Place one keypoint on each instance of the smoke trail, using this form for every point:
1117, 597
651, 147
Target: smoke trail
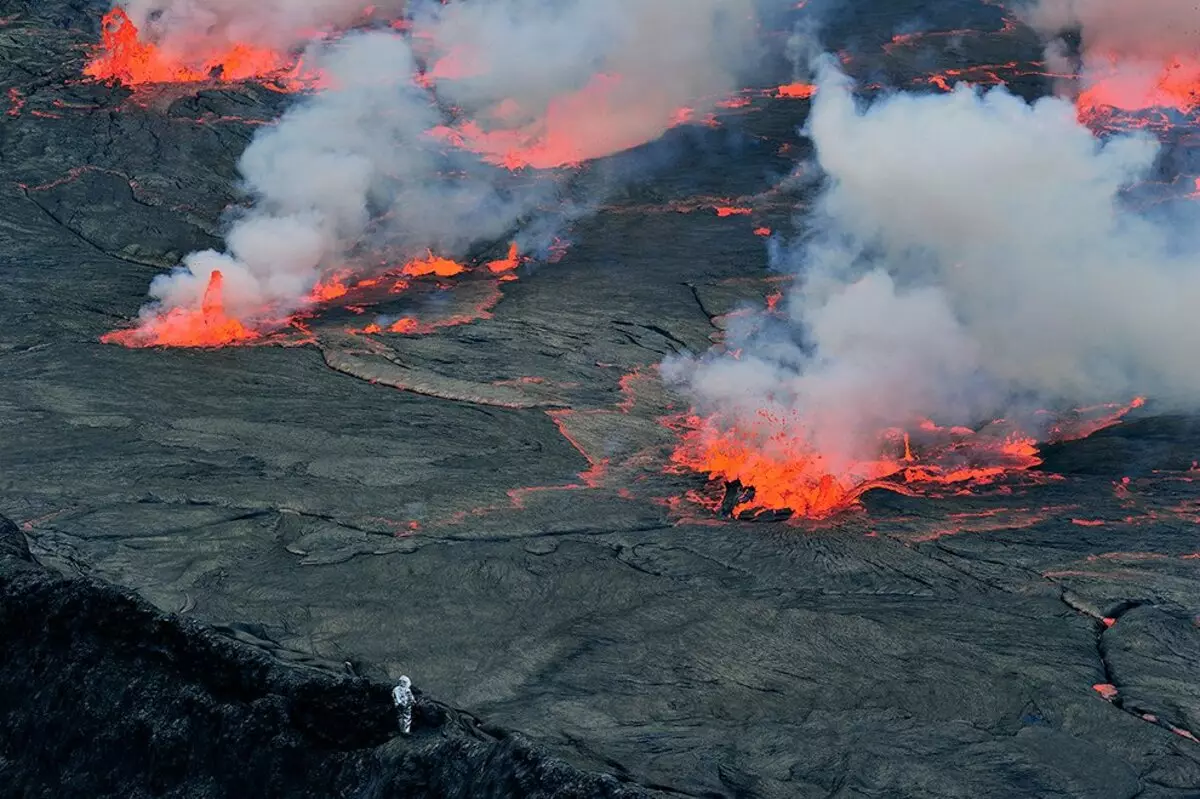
968, 258
374, 161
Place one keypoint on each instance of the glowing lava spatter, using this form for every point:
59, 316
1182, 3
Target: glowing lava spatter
206, 326
211, 325
433, 265
796, 91
508, 263
124, 57
772, 456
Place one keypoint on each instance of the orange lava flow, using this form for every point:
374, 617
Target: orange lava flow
783, 476
409, 326
796, 91
786, 473
206, 326
1082, 422
773, 457
125, 58
432, 265
327, 291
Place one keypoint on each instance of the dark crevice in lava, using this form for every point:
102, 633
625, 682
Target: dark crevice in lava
711, 317
1110, 688
79, 236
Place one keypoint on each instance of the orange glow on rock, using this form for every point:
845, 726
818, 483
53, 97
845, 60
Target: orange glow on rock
207, 326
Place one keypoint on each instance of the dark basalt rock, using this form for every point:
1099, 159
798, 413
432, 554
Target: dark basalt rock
101, 695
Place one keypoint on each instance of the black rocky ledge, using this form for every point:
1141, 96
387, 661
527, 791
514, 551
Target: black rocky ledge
103, 695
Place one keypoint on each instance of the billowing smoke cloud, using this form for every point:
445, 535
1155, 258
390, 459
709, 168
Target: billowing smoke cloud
1139, 54
393, 156
969, 258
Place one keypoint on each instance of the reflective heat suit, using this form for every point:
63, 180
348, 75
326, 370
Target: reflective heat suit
402, 697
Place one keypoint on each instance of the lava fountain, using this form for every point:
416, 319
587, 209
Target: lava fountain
206, 326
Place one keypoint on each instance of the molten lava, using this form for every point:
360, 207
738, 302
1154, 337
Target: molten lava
508, 263
1119, 93
796, 91
774, 458
206, 326
433, 265
329, 290
124, 57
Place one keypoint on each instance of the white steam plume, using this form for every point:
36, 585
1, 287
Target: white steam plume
969, 258
358, 165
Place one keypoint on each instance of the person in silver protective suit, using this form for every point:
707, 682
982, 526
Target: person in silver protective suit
403, 699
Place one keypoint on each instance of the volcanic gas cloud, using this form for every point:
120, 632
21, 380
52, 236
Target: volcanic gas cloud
969, 261
1133, 56
407, 150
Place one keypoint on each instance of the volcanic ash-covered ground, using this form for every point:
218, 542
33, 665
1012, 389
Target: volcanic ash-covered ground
484, 450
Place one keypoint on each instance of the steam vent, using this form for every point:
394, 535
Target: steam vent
689, 398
